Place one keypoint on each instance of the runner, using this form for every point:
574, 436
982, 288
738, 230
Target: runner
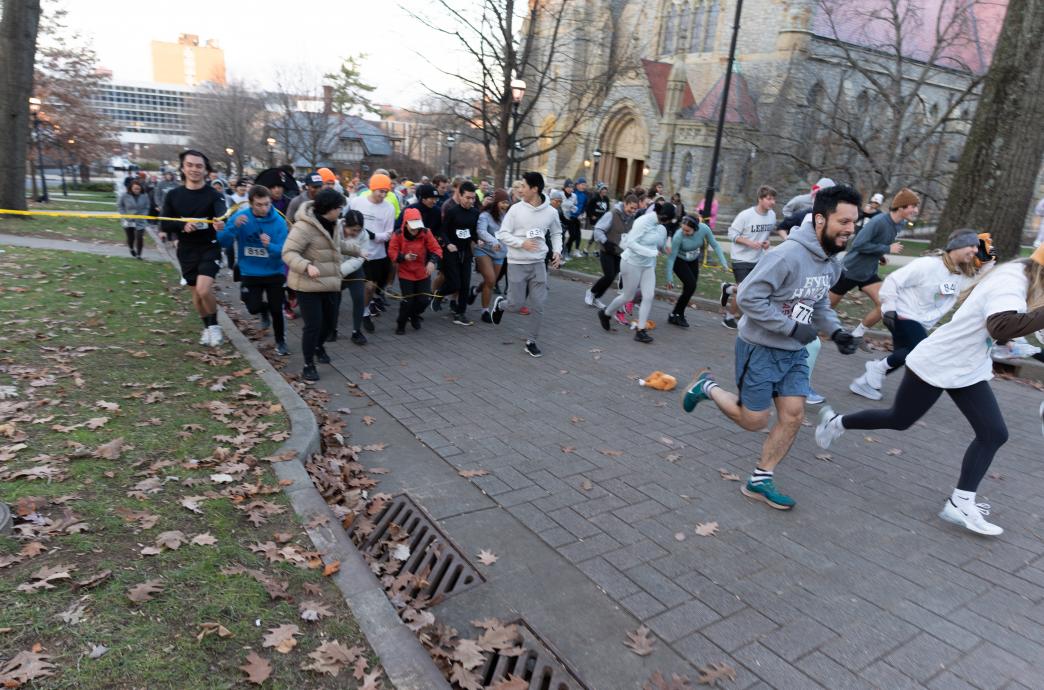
416, 252
199, 254
643, 244
597, 207
313, 183
749, 234
607, 232
356, 246
1007, 303
525, 230
459, 231
258, 232
379, 221
914, 298
313, 252
490, 254
785, 307
575, 216
134, 202
868, 250
684, 261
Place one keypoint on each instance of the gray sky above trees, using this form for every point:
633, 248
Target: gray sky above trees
256, 42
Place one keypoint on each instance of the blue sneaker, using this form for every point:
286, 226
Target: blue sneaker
814, 398
767, 492
697, 390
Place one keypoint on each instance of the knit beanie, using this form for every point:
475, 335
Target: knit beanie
1038, 255
961, 238
905, 197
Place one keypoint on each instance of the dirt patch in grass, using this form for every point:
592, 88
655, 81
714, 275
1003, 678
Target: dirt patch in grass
127, 449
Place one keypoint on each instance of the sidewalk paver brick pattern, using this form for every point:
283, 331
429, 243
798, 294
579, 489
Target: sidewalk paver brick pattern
861, 585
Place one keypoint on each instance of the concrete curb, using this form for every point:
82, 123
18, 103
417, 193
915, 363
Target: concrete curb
406, 663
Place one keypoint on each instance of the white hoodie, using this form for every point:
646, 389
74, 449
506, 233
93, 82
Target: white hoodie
923, 290
524, 221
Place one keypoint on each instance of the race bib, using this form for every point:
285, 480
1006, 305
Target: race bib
534, 233
691, 255
802, 313
260, 252
463, 234
948, 288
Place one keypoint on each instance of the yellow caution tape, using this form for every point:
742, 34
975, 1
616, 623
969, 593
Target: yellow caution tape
105, 214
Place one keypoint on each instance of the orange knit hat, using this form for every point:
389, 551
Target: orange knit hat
380, 181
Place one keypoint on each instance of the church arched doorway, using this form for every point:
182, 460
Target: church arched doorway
624, 144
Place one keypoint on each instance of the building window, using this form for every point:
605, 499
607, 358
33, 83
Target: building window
696, 32
711, 28
687, 171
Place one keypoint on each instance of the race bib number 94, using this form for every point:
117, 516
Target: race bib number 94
802, 313
533, 233
259, 252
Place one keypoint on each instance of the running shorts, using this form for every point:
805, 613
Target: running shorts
742, 269
763, 373
198, 260
844, 284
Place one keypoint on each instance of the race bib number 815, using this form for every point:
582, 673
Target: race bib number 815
259, 252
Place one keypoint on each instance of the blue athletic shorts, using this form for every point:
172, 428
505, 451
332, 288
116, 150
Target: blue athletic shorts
762, 373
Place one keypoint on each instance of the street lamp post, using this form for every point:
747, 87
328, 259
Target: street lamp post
271, 151
228, 153
451, 138
712, 183
34, 108
72, 142
597, 155
518, 91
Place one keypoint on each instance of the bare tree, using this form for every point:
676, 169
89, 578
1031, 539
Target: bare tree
18, 30
301, 119
886, 121
229, 116
541, 43
993, 185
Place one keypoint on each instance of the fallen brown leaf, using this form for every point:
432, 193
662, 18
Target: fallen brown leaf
111, 450
586, 484
610, 453
729, 476
487, 557
368, 420
472, 473
313, 610
281, 638
715, 674
206, 629
257, 668
331, 568
144, 591
332, 657
639, 641
204, 539
26, 666
707, 529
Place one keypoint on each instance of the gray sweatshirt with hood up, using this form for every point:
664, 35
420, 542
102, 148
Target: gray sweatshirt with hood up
796, 271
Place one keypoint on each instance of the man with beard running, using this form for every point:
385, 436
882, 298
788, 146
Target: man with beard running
785, 306
199, 253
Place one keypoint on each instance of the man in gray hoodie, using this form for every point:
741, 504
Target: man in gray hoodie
785, 307
525, 231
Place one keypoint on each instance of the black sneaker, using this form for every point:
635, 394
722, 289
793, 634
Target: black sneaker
486, 318
498, 311
532, 350
332, 338
400, 328
281, 348
604, 319
321, 356
358, 338
729, 321
725, 294
472, 294
678, 320
641, 336
310, 373
415, 321
368, 323
436, 304
462, 320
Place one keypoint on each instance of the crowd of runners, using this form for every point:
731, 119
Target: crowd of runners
295, 251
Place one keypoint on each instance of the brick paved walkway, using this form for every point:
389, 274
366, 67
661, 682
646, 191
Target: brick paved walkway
860, 586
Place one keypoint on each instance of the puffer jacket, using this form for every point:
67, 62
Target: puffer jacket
309, 244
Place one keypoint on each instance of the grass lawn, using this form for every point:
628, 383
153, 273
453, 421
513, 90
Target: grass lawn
68, 228
101, 349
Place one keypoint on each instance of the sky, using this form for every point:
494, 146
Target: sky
316, 36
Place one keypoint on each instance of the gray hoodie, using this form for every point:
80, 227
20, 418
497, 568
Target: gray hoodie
523, 221
796, 271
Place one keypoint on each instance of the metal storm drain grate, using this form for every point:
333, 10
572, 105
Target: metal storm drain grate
537, 665
431, 554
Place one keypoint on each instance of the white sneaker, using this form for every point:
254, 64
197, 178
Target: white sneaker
970, 517
577, 254
216, 336
1018, 348
204, 337
829, 428
861, 386
875, 374
589, 298
599, 304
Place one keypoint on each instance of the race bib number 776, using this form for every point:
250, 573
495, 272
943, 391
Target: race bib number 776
802, 313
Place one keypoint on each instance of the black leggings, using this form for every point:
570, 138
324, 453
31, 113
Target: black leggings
573, 234
355, 284
905, 336
610, 269
319, 311
135, 238
688, 272
414, 300
456, 267
976, 402
261, 297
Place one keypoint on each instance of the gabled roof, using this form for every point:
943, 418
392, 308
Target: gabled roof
659, 74
336, 128
741, 108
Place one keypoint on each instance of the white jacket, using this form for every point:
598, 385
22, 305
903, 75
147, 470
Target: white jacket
923, 290
524, 221
355, 252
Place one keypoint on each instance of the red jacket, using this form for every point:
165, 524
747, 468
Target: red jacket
423, 244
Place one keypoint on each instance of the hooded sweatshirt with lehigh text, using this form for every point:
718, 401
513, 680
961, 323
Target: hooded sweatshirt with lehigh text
522, 222
788, 285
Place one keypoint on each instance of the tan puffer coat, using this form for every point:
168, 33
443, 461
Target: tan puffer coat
309, 244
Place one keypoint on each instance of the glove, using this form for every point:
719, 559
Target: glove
803, 333
889, 320
845, 341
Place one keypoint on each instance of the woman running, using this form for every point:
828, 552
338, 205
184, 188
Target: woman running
642, 245
356, 247
134, 202
1008, 303
489, 253
684, 261
914, 298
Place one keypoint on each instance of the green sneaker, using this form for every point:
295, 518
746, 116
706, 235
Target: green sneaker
766, 491
697, 390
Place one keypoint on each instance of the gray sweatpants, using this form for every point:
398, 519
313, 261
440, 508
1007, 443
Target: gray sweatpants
635, 278
534, 277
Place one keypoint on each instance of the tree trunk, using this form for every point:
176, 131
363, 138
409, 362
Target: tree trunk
993, 185
18, 28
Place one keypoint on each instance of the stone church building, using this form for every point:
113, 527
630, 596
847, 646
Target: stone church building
793, 72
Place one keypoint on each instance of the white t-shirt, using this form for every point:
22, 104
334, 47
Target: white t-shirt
753, 226
957, 355
378, 219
